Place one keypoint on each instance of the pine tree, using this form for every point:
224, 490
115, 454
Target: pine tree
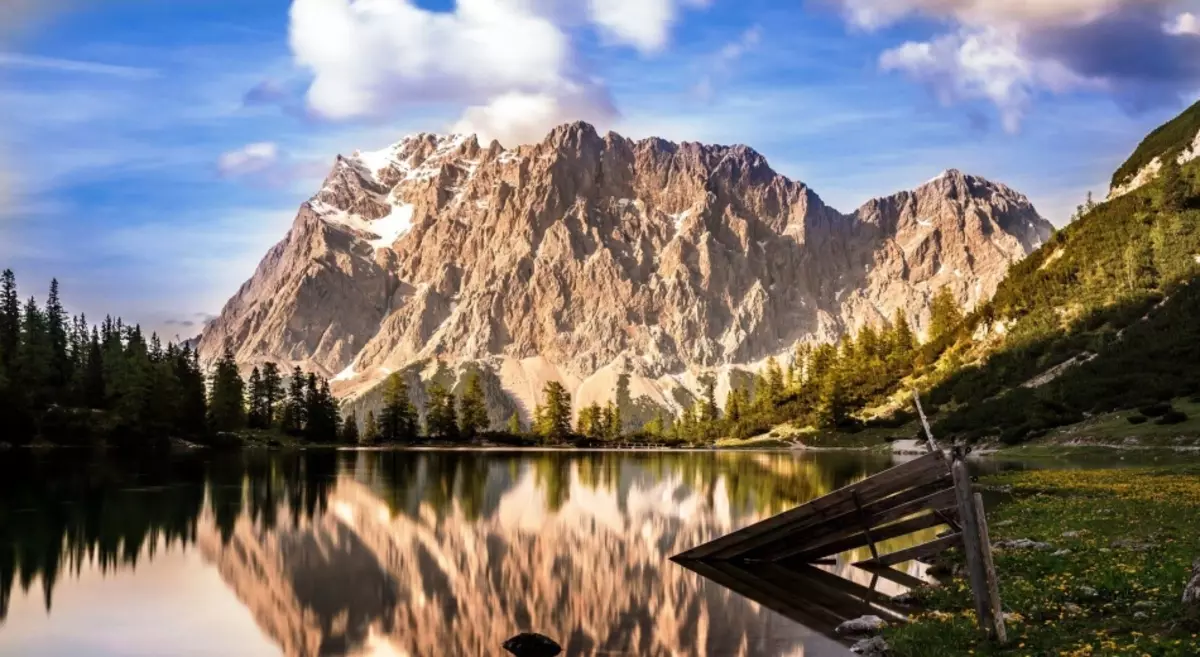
472, 408
553, 422
440, 421
56, 330
293, 419
708, 405
398, 420
370, 435
901, 344
774, 378
590, 423
10, 321
227, 411
944, 315
514, 424
350, 430
733, 405
256, 417
272, 394
33, 363
613, 429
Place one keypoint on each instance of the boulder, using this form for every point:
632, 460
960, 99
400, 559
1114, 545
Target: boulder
531, 644
862, 625
873, 647
1191, 592
1022, 544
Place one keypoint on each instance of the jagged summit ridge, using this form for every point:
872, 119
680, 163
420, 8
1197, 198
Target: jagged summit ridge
583, 254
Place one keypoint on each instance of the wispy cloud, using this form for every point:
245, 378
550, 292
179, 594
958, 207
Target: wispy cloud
54, 64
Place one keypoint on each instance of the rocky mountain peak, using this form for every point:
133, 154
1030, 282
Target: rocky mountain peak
580, 258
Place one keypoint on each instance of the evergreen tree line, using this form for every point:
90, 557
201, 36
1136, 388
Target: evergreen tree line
447, 417
821, 386
68, 382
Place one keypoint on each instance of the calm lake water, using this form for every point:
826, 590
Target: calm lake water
415, 553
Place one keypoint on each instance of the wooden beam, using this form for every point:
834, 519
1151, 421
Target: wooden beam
880, 534
898, 576
799, 537
970, 534
845, 526
902, 477
989, 570
917, 552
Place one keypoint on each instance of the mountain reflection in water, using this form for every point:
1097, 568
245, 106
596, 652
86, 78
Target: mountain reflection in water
417, 552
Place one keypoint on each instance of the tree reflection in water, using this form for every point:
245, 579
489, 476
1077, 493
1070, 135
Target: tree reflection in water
446, 552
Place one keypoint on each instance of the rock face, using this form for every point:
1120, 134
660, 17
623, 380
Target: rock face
584, 257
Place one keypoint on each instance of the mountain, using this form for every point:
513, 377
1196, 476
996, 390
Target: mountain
583, 258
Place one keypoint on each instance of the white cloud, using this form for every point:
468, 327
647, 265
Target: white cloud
1186, 23
368, 58
519, 118
1007, 52
981, 64
20, 61
644, 24
873, 14
251, 158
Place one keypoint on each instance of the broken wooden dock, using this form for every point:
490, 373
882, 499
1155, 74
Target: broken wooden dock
927, 492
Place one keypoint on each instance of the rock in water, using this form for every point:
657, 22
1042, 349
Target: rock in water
531, 644
1191, 592
862, 625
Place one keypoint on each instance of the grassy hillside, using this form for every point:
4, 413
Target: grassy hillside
1168, 140
1118, 291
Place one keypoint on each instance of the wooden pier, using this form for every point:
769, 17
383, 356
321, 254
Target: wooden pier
772, 561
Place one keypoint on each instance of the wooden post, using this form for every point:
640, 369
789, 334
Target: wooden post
971, 546
993, 584
925, 423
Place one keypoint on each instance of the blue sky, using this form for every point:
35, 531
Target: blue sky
151, 152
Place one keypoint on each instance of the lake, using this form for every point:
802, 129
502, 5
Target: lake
395, 552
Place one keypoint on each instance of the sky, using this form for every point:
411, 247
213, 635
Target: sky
151, 152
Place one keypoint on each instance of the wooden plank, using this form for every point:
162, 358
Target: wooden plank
842, 527
807, 612
929, 441
989, 570
916, 552
880, 534
817, 580
893, 480
798, 536
898, 576
971, 547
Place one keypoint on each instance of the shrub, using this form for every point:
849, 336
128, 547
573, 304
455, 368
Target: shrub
1137, 419
1172, 417
1155, 410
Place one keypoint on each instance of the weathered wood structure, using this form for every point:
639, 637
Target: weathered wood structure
930, 491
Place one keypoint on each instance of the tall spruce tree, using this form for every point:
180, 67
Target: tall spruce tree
272, 394
370, 434
553, 421
350, 434
472, 408
440, 421
944, 315
227, 411
10, 320
256, 415
293, 410
398, 419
